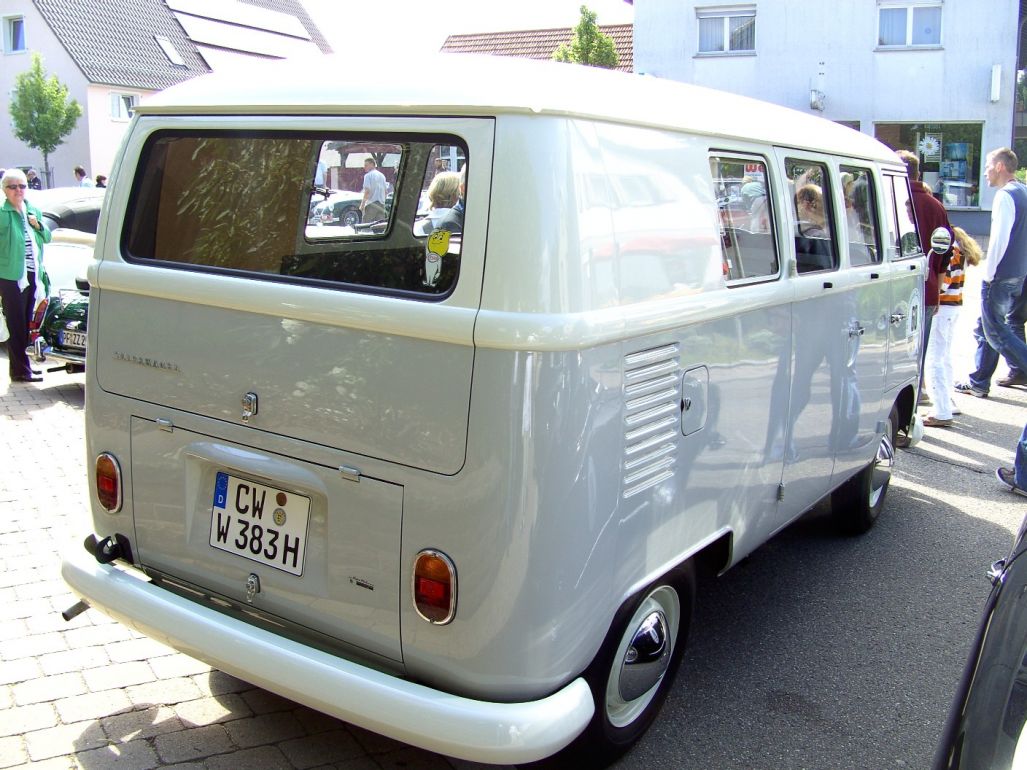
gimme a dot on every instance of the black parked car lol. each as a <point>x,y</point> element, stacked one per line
<point>985,724</point>
<point>77,208</point>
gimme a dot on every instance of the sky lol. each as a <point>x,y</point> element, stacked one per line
<point>422,26</point>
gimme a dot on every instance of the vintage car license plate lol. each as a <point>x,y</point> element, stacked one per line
<point>72,339</point>
<point>259,522</point>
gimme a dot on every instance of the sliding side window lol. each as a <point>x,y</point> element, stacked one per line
<point>741,186</point>
<point>861,226</point>
<point>814,221</point>
<point>903,241</point>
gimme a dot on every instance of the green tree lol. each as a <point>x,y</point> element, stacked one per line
<point>589,45</point>
<point>41,111</point>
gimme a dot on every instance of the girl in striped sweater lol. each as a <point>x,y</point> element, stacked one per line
<point>940,381</point>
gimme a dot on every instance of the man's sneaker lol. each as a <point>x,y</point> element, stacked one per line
<point>1008,477</point>
<point>966,387</point>
<point>1011,380</point>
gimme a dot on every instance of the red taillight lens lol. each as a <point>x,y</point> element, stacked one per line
<point>434,587</point>
<point>37,319</point>
<point>108,482</point>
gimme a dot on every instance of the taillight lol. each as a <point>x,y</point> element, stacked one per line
<point>37,319</point>
<point>434,587</point>
<point>108,482</point>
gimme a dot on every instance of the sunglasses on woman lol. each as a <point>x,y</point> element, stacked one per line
<point>16,186</point>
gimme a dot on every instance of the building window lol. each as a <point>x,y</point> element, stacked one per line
<point>949,153</point>
<point>908,25</point>
<point>170,51</point>
<point>14,34</point>
<point>727,30</point>
<point>123,105</point>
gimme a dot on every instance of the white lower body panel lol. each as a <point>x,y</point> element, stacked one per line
<point>481,731</point>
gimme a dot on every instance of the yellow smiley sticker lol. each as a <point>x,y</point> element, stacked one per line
<point>438,242</point>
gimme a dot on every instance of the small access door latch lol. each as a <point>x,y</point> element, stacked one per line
<point>249,406</point>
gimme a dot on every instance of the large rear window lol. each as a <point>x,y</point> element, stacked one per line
<point>373,212</point>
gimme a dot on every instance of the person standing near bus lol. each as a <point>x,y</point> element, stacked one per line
<point>22,235</point>
<point>965,251</point>
<point>375,189</point>
<point>1005,269</point>
<point>930,215</point>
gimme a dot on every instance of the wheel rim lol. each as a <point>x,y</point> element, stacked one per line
<point>880,475</point>
<point>629,666</point>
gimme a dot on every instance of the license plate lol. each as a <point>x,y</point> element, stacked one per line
<point>259,523</point>
<point>68,339</point>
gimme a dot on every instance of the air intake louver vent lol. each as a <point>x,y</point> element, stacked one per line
<point>652,417</point>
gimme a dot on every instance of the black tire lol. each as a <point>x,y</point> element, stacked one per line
<point>619,721</point>
<point>350,217</point>
<point>857,503</point>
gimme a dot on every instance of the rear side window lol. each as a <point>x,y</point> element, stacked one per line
<point>814,219</point>
<point>741,186</point>
<point>861,227</point>
<point>338,211</point>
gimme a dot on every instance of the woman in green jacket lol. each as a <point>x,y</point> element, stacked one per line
<point>22,235</point>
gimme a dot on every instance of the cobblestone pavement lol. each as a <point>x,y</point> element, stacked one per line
<point>93,694</point>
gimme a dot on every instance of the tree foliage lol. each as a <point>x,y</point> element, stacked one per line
<point>588,45</point>
<point>41,111</point>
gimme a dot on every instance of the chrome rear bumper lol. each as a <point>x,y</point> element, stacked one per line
<point>480,731</point>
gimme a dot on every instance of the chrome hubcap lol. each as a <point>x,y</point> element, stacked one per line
<point>881,473</point>
<point>643,656</point>
<point>647,657</point>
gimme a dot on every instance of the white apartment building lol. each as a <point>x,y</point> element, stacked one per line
<point>111,55</point>
<point>937,77</point>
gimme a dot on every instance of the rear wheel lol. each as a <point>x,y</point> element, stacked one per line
<point>635,668</point>
<point>857,503</point>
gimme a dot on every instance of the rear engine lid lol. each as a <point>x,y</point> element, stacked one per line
<point>296,542</point>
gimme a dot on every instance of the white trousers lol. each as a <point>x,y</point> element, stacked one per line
<point>939,379</point>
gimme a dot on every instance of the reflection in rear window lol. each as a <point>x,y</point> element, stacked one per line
<point>349,211</point>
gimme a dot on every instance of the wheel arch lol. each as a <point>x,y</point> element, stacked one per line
<point>905,404</point>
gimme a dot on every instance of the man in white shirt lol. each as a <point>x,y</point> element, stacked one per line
<point>1005,269</point>
<point>375,189</point>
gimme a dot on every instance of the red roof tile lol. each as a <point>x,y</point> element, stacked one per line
<point>539,43</point>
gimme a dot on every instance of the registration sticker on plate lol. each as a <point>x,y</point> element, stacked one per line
<point>259,522</point>
<point>68,339</point>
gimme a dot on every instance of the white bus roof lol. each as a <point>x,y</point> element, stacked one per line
<point>467,84</point>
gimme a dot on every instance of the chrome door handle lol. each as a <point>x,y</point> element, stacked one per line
<point>856,330</point>
<point>897,318</point>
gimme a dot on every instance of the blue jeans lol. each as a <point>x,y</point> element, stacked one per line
<point>998,298</point>
<point>1020,463</point>
<point>986,357</point>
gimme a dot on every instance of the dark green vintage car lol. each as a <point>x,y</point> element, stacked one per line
<point>62,331</point>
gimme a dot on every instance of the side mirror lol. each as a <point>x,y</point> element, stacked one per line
<point>941,240</point>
